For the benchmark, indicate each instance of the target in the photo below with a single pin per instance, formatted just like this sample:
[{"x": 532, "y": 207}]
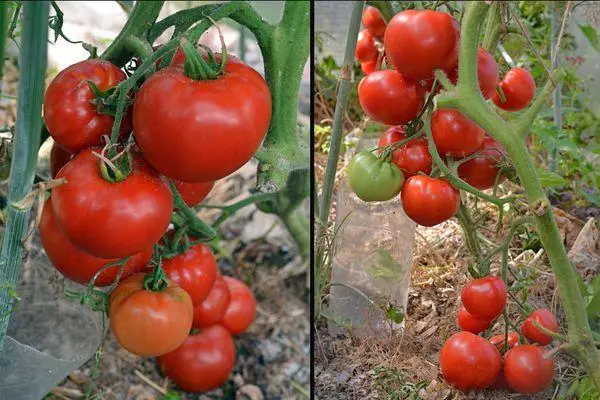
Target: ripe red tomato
[
  {"x": 485, "y": 297},
  {"x": 194, "y": 271},
  {"x": 419, "y": 41},
  {"x": 365, "y": 47},
  {"x": 69, "y": 114},
  {"x": 368, "y": 67},
  {"x": 411, "y": 158},
  {"x": 487, "y": 73},
  {"x": 77, "y": 265},
  {"x": 469, "y": 361},
  {"x": 429, "y": 201},
  {"x": 58, "y": 158},
  {"x": 389, "y": 98},
  {"x": 200, "y": 131},
  {"x": 527, "y": 370},
  {"x": 111, "y": 220},
  {"x": 373, "y": 21},
  {"x": 193, "y": 193},
  {"x": 545, "y": 318},
  {"x": 211, "y": 311},
  {"x": 242, "y": 307},
  {"x": 454, "y": 134},
  {"x": 498, "y": 340},
  {"x": 149, "y": 323},
  {"x": 203, "y": 362},
  {"x": 469, "y": 323},
  {"x": 518, "y": 87},
  {"x": 481, "y": 171}
]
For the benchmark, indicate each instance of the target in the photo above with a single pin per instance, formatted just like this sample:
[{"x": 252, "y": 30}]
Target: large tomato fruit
[
  {"x": 469, "y": 361},
  {"x": 199, "y": 131},
  {"x": 373, "y": 179},
  {"x": 511, "y": 340},
  {"x": 77, "y": 265},
  {"x": 365, "y": 47},
  {"x": 70, "y": 116},
  {"x": 58, "y": 158},
  {"x": 373, "y": 21},
  {"x": 389, "y": 98},
  {"x": 481, "y": 171},
  {"x": 545, "y": 318},
  {"x": 241, "y": 309},
  {"x": 411, "y": 158},
  {"x": 419, "y": 41},
  {"x": 194, "y": 271},
  {"x": 111, "y": 220},
  {"x": 518, "y": 87},
  {"x": 149, "y": 323},
  {"x": 487, "y": 73},
  {"x": 485, "y": 298},
  {"x": 429, "y": 201},
  {"x": 469, "y": 323},
  {"x": 454, "y": 134},
  {"x": 193, "y": 192},
  {"x": 203, "y": 362},
  {"x": 213, "y": 308},
  {"x": 527, "y": 370}
]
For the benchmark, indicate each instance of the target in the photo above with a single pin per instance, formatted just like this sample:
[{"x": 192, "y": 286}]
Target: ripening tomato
[
  {"x": 518, "y": 87},
  {"x": 111, "y": 220},
  {"x": 481, "y": 171},
  {"x": 499, "y": 340},
  {"x": 241, "y": 309},
  {"x": 413, "y": 157},
  {"x": 373, "y": 21},
  {"x": 429, "y": 201},
  {"x": 200, "y": 131},
  {"x": 469, "y": 323},
  {"x": 193, "y": 192},
  {"x": 149, "y": 323},
  {"x": 487, "y": 73},
  {"x": 485, "y": 298},
  {"x": 211, "y": 311},
  {"x": 469, "y": 361},
  {"x": 69, "y": 113},
  {"x": 365, "y": 47},
  {"x": 372, "y": 178},
  {"x": 545, "y": 318},
  {"x": 389, "y": 98},
  {"x": 419, "y": 41},
  {"x": 454, "y": 134},
  {"x": 58, "y": 158},
  {"x": 203, "y": 362},
  {"x": 368, "y": 67},
  {"x": 527, "y": 370}
]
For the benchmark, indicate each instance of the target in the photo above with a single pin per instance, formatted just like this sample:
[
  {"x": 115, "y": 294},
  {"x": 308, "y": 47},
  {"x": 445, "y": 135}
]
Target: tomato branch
[{"x": 188, "y": 213}]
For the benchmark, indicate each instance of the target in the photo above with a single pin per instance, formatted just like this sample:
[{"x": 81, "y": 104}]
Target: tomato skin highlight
[
  {"x": 485, "y": 298},
  {"x": 111, "y": 220},
  {"x": 203, "y": 362},
  {"x": 481, "y": 171},
  {"x": 468, "y": 361},
  {"x": 58, "y": 158},
  {"x": 389, "y": 98},
  {"x": 518, "y": 87},
  {"x": 498, "y": 340},
  {"x": 526, "y": 370},
  {"x": 429, "y": 201},
  {"x": 454, "y": 134},
  {"x": 419, "y": 41},
  {"x": 545, "y": 318},
  {"x": 365, "y": 47},
  {"x": 149, "y": 323},
  {"x": 469, "y": 323},
  {"x": 193, "y": 193},
  {"x": 70, "y": 117},
  {"x": 373, "y": 179},
  {"x": 241, "y": 309},
  {"x": 182, "y": 126},
  {"x": 373, "y": 21},
  {"x": 413, "y": 157},
  {"x": 211, "y": 311}
]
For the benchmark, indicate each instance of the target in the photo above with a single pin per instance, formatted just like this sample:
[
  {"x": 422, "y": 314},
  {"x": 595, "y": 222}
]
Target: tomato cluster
[{"x": 469, "y": 361}]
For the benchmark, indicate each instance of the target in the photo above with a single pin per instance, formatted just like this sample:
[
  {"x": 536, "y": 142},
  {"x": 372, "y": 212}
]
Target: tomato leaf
[
  {"x": 171, "y": 395},
  {"x": 591, "y": 35},
  {"x": 550, "y": 179},
  {"x": 394, "y": 314}
]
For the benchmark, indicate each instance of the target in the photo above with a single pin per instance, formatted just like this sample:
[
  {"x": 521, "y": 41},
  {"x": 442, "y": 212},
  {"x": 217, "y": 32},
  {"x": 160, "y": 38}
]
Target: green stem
[
  {"x": 384, "y": 6},
  {"x": 3, "y": 34},
  {"x": 493, "y": 28},
  {"x": 231, "y": 209},
  {"x": 466, "y": 222},
  {"x": 299, "y": 227},
  {"x": 194, "y": 222},
  {"x": 558, "y": 122}
]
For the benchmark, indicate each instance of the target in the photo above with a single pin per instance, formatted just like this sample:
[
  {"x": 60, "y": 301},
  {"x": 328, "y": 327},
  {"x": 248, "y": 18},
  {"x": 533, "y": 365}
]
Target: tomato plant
[
  {"x": 518, "y": 87},
  {"x": 413, "y": 157},
  {"x": 544, "y": 318},
  {"x": 373, "y": 21},
  {"x": 241, "y": 309},
  {"x": 213, "y": 308},
  {"x": 485, "y": 298},
  {"x": 487, "y": 73},
  {"x": 469, "y": 323},
  {"x": 455, "y": 134},
  {"x": 527, "y": 369},
  {"x": 482, "y": 171},
  {"x": 372, "y": 178},
  {"x": 429, "y": 201}
]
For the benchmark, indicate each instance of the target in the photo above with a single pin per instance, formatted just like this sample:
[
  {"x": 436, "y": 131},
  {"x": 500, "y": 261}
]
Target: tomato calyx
[
  {"x": 117, "y": 168},
  {"x": 106, "y": 100},
  {"x": 197, "y": 68},
  {"x": 156, "y": 280}
]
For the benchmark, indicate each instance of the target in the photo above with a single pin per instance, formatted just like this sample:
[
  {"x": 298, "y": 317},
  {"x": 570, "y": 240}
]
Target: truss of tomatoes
[
  {"x": 103, "y": 231},
  {"x": 414, "y": 44}
]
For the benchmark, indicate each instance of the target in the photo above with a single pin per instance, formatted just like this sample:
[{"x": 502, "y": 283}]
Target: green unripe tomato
[{"x": 374, "y": 179}]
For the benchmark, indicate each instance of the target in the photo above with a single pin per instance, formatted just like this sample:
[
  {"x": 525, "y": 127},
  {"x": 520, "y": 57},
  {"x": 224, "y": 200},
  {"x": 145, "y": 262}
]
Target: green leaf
[
  {"x": 550, "y": 179},
  {"x": 171, "y": 395},
  {"x": 385, "y": 267},
  {"x": 394, "y": 314},
  {"x": 593, "y": 307},
  {"x": 591, "y": 35}
]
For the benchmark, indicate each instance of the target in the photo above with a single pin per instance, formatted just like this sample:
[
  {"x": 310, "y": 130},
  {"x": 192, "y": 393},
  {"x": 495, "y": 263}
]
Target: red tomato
[
  {"x": 373, "y": 21},
  {"x": 111, "y": 220},
  {"x": 69, "y": 114},
  {"x": 203, "y": 362},
  {"x": 58, "y": 158},
  {"x": 213, "y": 308},
  {"x": 429, "y": 201},
  {"x": 485, "y": 297},
  {"x": 365, "y": 47},
  {"x": 195, "y": 271},
  {"x": 389, "y": 98},
  {"x": 200, "y": 131},
  {"x": 498, "y": 340},
  {"x": 487, "y": 73},
  {"x": 242, "y": 307},
  {"x": 368, "y": 67},
  {"x": 481, "y": 171},
  {"x": 419, "y": 41},
  {"x": 469, "y": 361},
  {"x": 149, "y": 323},
  {"x": 545, "y": 318},
  {"x": 77, "y": 265},
  {"x": 454, "y": 134},
  {"x": 411, "y": 158},
  {"x": 193, "y": 193},
  {"x": 519, "y": 89},
  {"x": 469, "y": 323},
  {"x": 527, "y": 370}
]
